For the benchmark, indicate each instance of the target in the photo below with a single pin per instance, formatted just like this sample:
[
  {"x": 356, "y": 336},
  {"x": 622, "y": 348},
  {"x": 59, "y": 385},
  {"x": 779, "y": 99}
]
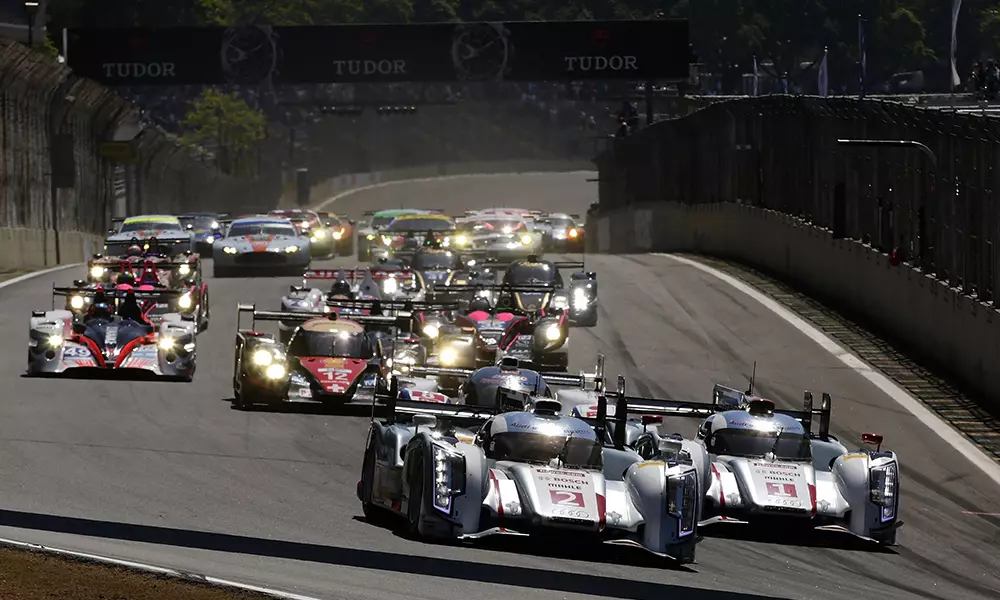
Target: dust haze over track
[{"x": 168, "y": 474}]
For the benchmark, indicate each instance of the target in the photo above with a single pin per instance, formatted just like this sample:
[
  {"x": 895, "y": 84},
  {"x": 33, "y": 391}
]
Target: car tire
[
  {"x": 374, "y": 514},
  {"x": 415, "y": 510}
]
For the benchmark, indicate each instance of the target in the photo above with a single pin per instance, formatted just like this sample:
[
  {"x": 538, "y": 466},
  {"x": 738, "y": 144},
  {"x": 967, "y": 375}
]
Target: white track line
[
  {"x": 34, "y": 274},
  {"x": 137, "y": 566},
  {"x": 382, "y": 184},
  {"x": 916, "y": 408}
]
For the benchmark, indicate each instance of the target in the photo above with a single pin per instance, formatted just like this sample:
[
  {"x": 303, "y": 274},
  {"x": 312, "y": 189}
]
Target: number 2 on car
[{"x": 563, "y": 498}]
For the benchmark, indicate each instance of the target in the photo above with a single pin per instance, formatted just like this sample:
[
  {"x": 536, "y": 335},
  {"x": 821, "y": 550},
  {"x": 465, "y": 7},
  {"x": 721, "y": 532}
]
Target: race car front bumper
[{"x": 262, "y": 263}]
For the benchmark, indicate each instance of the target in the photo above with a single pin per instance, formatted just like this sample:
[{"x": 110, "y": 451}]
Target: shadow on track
[
  {"x": 352, "y": 409},
  {"x": 804, "y": 538},
  {"x": 527, "y": 577}
]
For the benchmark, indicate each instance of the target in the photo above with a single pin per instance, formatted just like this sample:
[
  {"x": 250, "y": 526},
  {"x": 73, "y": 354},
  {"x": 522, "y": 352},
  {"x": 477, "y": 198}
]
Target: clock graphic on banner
[
  {"x": 249, "y": 54},
  {"x": 481, "y": 51}
]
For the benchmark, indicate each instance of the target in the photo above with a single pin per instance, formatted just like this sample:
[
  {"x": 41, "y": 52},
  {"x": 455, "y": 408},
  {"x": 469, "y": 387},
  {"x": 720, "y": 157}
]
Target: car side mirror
[{"x": 872, "y": 439}]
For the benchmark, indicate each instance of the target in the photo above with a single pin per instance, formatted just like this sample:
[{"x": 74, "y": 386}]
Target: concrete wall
[
  {"x": 937, "y": 323},
  {"x": 30, "y": 249}
]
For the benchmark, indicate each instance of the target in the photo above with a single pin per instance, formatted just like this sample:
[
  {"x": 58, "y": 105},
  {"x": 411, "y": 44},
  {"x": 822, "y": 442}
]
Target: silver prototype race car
[{"x": 457, "y": 472}]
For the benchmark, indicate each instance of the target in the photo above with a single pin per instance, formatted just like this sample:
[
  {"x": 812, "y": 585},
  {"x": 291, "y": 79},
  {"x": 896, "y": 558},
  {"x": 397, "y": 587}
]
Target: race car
[
  {"x": 578, "y": 299},
  {"x": 341, "y": 230},
  {"x": 206, "y": 227},
  {"x": 174, "y": 271},
  {"x": 325, "y": 361},
  {"x": 562, "y": 233},
  {"x": 173, "y": 236},
  {"x": 406, "y": 233},
  {"x": 528, "y": 470},
  {"x": 769, "y": 464},
  {"x": 261, "y": 246},
  {"x": 112, "y": 337},
  {"x": 308, "y": 224},
  {"x": 502, "y": 236},
  {"x": 370, "y": 233}
]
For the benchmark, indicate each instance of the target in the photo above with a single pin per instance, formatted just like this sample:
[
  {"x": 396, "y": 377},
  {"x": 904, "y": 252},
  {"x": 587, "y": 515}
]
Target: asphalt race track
[{"x": 167, "y": 473}]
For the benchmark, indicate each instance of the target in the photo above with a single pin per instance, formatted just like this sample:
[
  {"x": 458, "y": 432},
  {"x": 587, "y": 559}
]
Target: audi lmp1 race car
[
  {"x": 113, "y": 336},
  {"x": 173, "y": 236},
  {"x": 259, "y": 245},
  {"x": 527, "y": 470},
  {"x": 326, "y": 360}
]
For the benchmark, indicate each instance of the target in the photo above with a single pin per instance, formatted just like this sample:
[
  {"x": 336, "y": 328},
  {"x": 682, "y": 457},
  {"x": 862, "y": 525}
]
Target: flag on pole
[
  {"x": 863, "y": 53},
  {"x": 756, "y": 77},
  {"x": 824, "y": 76},
  {"x": 956, "y": 5}
]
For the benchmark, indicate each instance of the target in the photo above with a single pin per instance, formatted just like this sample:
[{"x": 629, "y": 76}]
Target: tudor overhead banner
[{"x": 438, "y": 52}]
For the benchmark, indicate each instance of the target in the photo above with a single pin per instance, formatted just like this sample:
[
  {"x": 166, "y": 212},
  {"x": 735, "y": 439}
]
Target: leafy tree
[{"x": 228, "y": 123}]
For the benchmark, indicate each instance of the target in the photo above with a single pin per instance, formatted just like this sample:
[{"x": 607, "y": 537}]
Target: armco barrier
[
  {"x": 854, "y": 230},
  {"x": 45, "y": 106}
]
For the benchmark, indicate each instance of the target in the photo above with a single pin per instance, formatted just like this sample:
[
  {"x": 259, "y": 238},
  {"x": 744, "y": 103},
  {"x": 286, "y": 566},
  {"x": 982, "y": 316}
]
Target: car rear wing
[
  {"x": 353, "y": 275},
  {"x": 301, "y": 317},
  {"x": 393, "y": 305},
  {"x": 88, "y": 293},
  {"x": 581, "y": 380},
  {"x": 116, "y": 265},
  {"x": 440, "y": 372},
  {"x": 452, "y": 414},
  {"x": 150, "y": 243},
  {"x": 539, "y": 288}
]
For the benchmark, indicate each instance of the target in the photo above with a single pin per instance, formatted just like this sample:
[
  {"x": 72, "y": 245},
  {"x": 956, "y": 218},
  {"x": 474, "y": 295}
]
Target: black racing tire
[
  {"x": 415, "y": 509},
  {"x": 374, "y": 514}
]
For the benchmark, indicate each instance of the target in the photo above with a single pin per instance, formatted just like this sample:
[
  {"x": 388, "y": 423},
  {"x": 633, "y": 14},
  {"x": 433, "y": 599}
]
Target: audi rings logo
[{"x": 571, "y": 513}]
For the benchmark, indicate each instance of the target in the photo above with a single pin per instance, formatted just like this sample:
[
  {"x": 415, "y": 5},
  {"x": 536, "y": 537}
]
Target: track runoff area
[{"x": 167, "y": 474}]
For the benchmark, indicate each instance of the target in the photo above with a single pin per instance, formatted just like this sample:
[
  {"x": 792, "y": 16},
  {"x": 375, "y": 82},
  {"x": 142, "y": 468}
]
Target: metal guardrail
[{"x": 781, "y": 153}]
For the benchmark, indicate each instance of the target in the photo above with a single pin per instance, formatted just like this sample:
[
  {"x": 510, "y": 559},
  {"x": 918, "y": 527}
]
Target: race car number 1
[
  {"x": 564, "y": 498},
  {"x": 338, "y": 375}
]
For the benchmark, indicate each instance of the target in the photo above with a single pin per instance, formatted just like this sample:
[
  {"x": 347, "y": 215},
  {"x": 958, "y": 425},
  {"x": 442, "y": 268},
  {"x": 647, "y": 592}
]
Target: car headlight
[
  {"x": 883, "y": 481},
  {"x": 97, "y": 272},
  {"x": 431, "y": 330},
  {"x": 449, "y": 478},
  {"x": 580, "y": 299},
  {"x": 508, "y": 230},
  {"x": 461, "y": 240},
  {"x": 229, "y": 250},
  {"x": 338, "y": 234},
  {"x": 449, "y": 356},
  {"x": 262, "y": 358},
  {"x": 386, "y": 240},
  {"x": 76, "y": 302},
  {"x": 55, "y": 340},
  {"x": 573, "y": 233},
  {"x": 319, "y": 234},
  {"x": 553, "y": 333},
  {"x": 682, "y": 500},
  {"x": 184, "y": 270},
  {"x": 185, "y": 301},
  {"x": 370, "y": 237},
  {"x": 291, "y": 249},
  {"x": 390, "y": 286},
  {"x": 166, "y": 343},
  {"x": 526, "y": 239},
  {"x": 560, "y": 303},
  {"x": 214, "y": 225},
  {"x": 275, "y": 371}
]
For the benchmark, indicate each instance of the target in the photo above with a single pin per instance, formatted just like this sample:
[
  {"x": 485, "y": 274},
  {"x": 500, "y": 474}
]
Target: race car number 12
[{"x": 339, "y": 375}]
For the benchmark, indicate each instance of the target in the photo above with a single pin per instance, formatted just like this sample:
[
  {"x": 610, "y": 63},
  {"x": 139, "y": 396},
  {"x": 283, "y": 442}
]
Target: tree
[{"x": 229, "y": 124}]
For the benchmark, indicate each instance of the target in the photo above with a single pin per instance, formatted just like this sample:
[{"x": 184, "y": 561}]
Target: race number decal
[
  {"x": 564, "y": 498},
  {"x": 336, "y": 375},
  {"x": 76, "y": 352},
  {"x": 782, "y": 490}
]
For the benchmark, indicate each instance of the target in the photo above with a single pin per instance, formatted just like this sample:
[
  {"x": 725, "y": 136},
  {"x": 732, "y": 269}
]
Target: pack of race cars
[{"x": 459, "y": 330}]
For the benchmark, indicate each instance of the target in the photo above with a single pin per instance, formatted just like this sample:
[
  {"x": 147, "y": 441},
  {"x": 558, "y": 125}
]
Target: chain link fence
[{"x": 934, "y": 211}]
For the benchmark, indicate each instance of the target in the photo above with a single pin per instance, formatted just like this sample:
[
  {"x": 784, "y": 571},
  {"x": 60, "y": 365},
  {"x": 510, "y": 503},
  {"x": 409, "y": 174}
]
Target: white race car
[{"x": 261, "y": 246}]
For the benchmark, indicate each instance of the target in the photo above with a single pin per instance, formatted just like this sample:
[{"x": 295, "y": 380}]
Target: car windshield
[
  {"x": 436, "y": 260},
  {"x": 200, "y": 221},
  {"x": 151, "y": 225},
  {"x": 261, "y": 229},
  {"x": 751, "y": 443},
  {"x": 381, "y": 221},
  {"x": 500, "y": 225},
  {"x": 528, "y": 447},
  {"x": 533, "y": 272},
  {"x": 421, "y": 225},
  {"x": 339, "y": 344}
]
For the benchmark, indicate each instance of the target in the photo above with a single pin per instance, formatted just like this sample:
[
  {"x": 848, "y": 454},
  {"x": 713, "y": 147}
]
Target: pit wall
[
  {"x": 934, "y": 322},
  {"x": 33, "y": 249}
]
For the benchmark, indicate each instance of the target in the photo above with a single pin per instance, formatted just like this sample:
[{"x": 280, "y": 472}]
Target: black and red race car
[{"x": 327, "y": 359}]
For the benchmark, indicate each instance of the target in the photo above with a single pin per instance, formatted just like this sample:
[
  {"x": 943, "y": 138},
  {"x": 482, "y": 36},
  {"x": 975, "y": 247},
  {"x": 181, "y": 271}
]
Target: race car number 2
[
  {"x": 338, "y": 375},
  {"x": 564, "y": 498}
]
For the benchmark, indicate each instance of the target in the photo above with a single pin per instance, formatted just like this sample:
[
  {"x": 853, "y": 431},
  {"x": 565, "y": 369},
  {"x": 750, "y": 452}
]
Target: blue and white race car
[{"x": 261, "y": 246}]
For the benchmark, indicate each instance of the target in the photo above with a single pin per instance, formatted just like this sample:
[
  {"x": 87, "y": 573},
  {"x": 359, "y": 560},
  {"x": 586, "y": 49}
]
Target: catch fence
[{"x": 781, "y": 153}]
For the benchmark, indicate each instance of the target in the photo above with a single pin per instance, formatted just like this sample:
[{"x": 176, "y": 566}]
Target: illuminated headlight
[
  {"x": 184, "y": 270},
  {"x": 55, "y": 340},
  {"x": 76, "y": 302},
  {"x": 214, "y": 225},
  {"x": 446, "y": 242},
  {"x": 526, "y": 240},
  {"x": 431, "y": 331},
  {"x": 97, "y": 272},
  {"x": 229, "y": 250},
  {"x": 553, "y": 333},
  {"x": 275, "y": 371},
  {"x": 319, "y": 234},
  {"x": 574, "y": 233},
  {"x": 166, "y": 343},
  {"x": 682, "y": 500},
  {"x": 338, "y": 234},
  {"x": 291, "y": 249},
  {"x": 449, "y": 356},
  {"x": 370, "y": 237},
  {"x": 508, "y": 230},
  {"x": 449, "y": 478},
  {"x": 390, "y": 286},
  {"x": 580, "y": 299},
  {"x": 485, "y": 294},
  {"x": 883, "y": 481},
  {"x": 185, "y": 301},
  {"x": 262, "y": 358},
  {"x": 386, "y": 240},
  {"x": 560, "y": 303},
  {"x": 461, "y": 240}
]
